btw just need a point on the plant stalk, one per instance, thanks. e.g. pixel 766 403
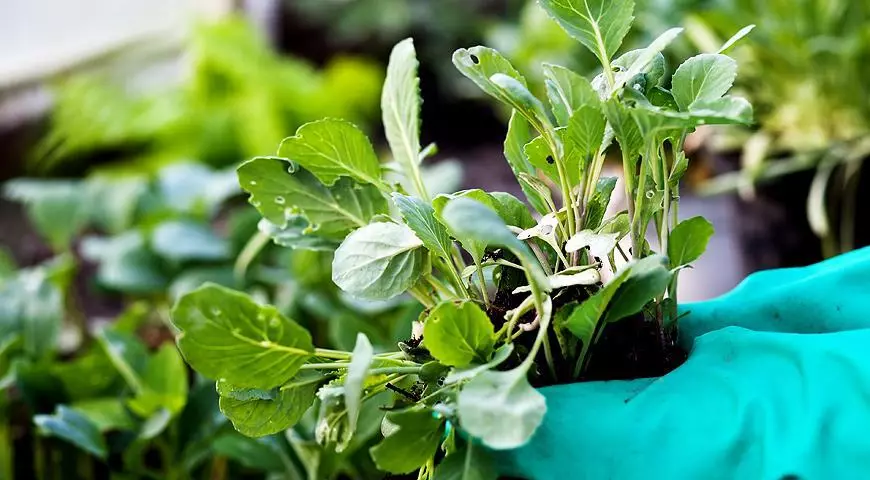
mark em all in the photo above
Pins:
pixel 638 230
pixel 482 283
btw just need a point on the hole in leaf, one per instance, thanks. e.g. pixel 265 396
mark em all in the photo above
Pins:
pixel 550 159
pixel 475 60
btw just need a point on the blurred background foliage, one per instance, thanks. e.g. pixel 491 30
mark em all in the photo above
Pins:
pixel 121 194
pixel 240 98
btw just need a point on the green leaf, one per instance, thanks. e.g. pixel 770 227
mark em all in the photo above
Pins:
pixel 361 360
pixel 647 56
pixel 501 408
pixel 645 280
pixel 279 191
pixel 159 382
pixel 535 188
pixel 625 128
pixel 257 454
pixel 512 210
pixel 518 135
pixel 114 200
pixel 127 353
pixel 106 414
pixel 585 131
pixel 256 413
pixel 414 441
pixel 125 263
pixel 400 106
pixel 480 63
pixel 475 246
pixel 471 220
pixel 155 424
pixel 58 209
pixel 419 216
pixel 331 149
pixel 567 92
pixel 165 383
pixel 466 463
pixel 662 98
pixel 616 224
pixel 626 294
pixel 584 318
pixel 735 38
pixel 728 109
pixel 296 234
pixel 539 154
pixel 195 188
pixel 597 206
pixel 378 261
pixel 71 426
pixel 703 78
pixel 458 334
pixel 225 334
pixel 600 25
pixel 457 375
pixel 646 76
pixel 688 240
pixel 31 308
pixel 184 240
pixel 90 375
pixel 515 94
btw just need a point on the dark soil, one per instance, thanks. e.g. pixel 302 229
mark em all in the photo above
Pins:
pixel 634 347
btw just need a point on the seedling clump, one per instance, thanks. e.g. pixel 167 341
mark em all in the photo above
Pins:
pixel 513 297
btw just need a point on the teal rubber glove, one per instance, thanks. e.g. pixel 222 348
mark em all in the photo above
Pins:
pixel 777 386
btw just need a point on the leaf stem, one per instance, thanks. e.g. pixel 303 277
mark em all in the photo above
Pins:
pixel 253 248
pixel 453 275
pixel 482 283
pixel 664 222
pixel 629 169
pixel 393 370
pixel 542 258
pixel 638 229
pixel 439 286
pixel 422 296
pixel 325 366
pixel 419 186
pixel 327 353
pixel 548 353
pixel 557 149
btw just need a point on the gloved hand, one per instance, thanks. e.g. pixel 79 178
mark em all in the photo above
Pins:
pixel 777 386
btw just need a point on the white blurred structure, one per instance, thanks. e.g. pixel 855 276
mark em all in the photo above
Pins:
pixel 43 38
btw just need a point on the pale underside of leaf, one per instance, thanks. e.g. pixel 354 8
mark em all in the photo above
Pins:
pixel 378 261
pixel 400 105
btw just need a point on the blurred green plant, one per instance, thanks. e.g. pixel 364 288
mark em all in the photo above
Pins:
pixel 239 97
pixel 150 238
pixel 805 70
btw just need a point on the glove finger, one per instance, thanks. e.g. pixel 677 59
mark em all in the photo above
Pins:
pixel 830 296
